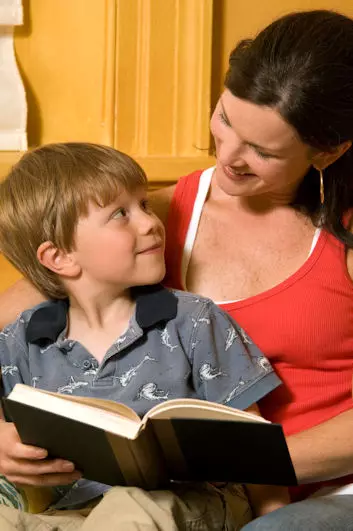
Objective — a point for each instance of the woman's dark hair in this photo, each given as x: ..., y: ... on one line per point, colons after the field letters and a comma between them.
x: 302, y: 66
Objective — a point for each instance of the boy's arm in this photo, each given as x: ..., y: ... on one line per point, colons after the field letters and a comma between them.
x: 20, y: 463
x: 254, y: 409
x: 16, y: 299
x: 227, y: 366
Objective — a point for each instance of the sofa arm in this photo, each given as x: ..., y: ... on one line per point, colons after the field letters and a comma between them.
x: 30, y: 499
x: 11, y: 496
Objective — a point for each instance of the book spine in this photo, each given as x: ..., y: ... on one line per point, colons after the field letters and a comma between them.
x: 126, y: 460
x: 173, y: 456
x: 149, y: 458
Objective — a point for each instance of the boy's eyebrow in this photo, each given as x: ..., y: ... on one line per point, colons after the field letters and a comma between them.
x: 251, y: 144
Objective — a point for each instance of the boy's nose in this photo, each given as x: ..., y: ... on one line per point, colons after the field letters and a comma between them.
x: 147, y: 222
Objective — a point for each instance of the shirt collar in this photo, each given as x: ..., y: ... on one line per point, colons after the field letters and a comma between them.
x: 153, y: 305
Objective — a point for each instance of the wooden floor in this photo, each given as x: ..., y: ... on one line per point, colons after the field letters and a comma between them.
x: 8, y: 274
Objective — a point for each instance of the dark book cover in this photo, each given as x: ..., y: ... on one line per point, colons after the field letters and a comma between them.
x: 222, y: 450
x: 84, y: 445
x: 192, y: 449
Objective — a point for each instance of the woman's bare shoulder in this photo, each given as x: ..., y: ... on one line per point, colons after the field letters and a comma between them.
x: 19, y: 297
x: 160, y: 201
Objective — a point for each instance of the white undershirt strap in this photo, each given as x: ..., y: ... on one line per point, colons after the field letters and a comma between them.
x: 204, y: 185
x: 315, y: 239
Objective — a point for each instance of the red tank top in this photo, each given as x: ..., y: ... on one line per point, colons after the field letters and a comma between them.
x: 303, y: 325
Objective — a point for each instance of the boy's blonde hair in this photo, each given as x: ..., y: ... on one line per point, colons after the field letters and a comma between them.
x: 47, y: 191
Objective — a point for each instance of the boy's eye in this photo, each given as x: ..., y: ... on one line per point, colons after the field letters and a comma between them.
x: 120, y: 213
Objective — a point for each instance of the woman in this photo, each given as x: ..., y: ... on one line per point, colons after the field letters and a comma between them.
x: 266, y: 234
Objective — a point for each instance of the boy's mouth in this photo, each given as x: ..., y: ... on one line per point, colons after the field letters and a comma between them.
x: 155, y: 248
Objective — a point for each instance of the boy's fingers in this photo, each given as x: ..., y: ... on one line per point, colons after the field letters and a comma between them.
x: 37, y: 468
x: 24, y: 451
x: 45, y: 480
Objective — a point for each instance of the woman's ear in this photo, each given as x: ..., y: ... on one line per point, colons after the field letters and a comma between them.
x: 60, y: 262
x: 324, y: 159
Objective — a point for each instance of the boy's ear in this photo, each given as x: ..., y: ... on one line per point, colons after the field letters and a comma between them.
x: 322, y: 160
x: 57, y: 260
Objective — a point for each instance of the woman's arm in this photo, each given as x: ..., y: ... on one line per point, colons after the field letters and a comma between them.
x: 324, y: 451
x: 160, y: 202
x: 14, y: 300
x: 265, y: 498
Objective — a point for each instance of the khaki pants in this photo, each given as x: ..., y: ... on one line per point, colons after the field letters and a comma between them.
x: 193, y: 507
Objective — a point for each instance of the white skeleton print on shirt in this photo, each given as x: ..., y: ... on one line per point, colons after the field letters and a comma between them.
x: 207, y: 372
x: 9, y: 369
x: 231, y: 337
x: 71, y: 386
x: 151, y: 392
x: 128, y: 375
x: 34, y: 380
x: 165, y: 336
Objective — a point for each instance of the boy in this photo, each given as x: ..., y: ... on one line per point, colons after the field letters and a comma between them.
x: 75, y: 221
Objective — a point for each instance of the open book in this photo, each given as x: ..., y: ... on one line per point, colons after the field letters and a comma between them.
x: 181, y: 440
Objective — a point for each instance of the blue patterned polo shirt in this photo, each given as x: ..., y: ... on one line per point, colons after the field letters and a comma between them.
x: 177, y: 345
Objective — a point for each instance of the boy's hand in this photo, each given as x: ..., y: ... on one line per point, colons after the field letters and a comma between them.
x: 27, y: 465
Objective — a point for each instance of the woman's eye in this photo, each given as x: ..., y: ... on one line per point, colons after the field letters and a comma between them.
x: 263, y: 155
x: 120, y: 213
x: 223, y: 118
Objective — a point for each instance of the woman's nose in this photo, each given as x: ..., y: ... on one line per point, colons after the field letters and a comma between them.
x: 230, y: 152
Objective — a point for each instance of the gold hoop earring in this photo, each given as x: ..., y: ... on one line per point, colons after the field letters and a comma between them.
x: 322, y: 191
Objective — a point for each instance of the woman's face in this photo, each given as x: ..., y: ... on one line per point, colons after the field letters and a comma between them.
x: 257, y: 151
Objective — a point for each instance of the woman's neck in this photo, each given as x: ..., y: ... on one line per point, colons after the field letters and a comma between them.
x: 256, y: 204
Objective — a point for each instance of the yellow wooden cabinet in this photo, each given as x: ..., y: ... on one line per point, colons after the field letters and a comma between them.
x: 140, y: 75
x: 134, y: 74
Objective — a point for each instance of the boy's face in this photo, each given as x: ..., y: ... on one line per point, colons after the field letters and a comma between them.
x: 122, y: 244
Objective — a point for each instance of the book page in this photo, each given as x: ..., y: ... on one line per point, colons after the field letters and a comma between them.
x: 107, y: 405
x: 78, y: 409
x: 199, y: 409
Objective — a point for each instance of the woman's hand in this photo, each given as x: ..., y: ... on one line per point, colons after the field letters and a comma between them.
x: 325, y: 451
x: 28, y: 465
